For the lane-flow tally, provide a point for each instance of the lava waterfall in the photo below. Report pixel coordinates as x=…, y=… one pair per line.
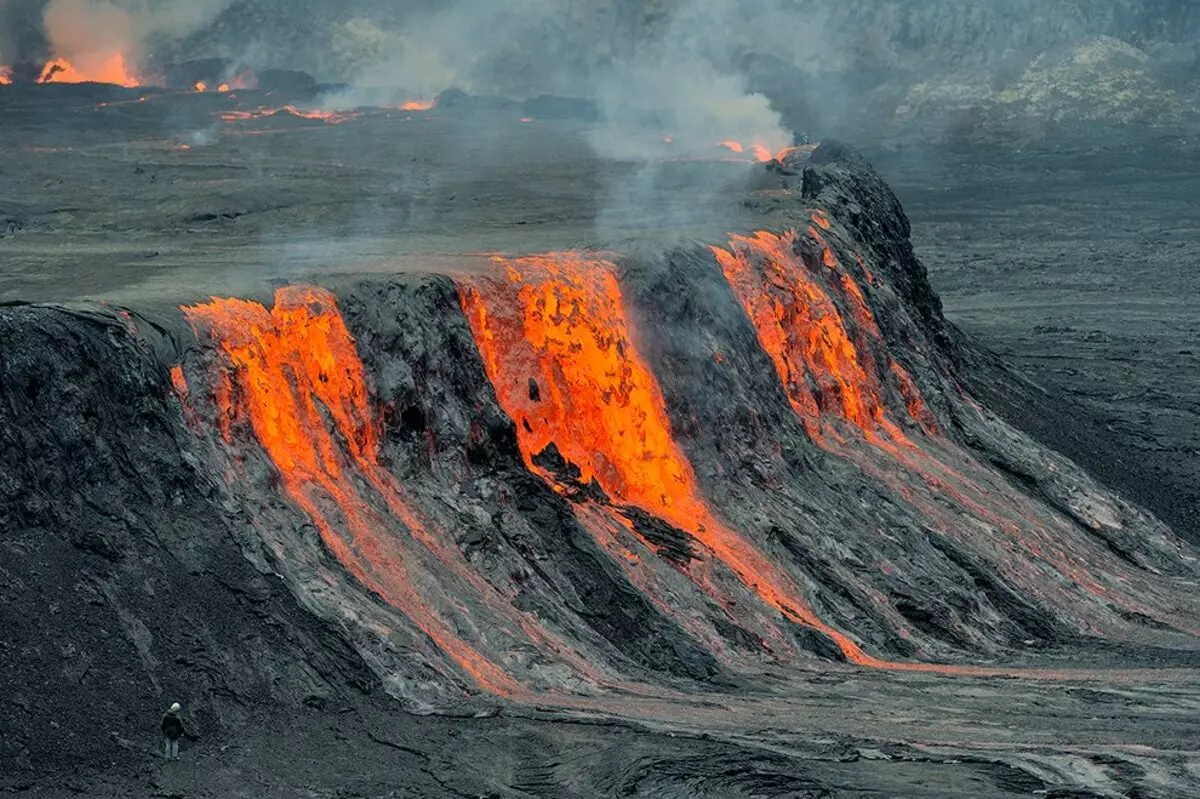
x=481, y=465
x=568, y=475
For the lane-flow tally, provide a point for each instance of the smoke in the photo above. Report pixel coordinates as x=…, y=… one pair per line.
x=682, y=86
x=507, y=47
x=88, y=32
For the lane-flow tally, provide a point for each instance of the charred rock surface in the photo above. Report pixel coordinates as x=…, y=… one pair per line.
x=724, y=491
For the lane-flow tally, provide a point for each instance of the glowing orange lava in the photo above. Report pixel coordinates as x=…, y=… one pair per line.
x=806, y=335
x=760, y=151
x=200, y=86
x=179, y=382
x=418, y=105
x=558, y=323
x=295, y=373
x=112, y=70
x=5, y=76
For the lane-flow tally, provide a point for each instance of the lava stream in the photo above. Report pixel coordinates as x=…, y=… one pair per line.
x=827, y=369
x=292, y=367
x=834, y=364
x=556, y=346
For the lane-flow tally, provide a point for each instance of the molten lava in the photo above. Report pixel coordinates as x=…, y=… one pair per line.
x=825, y=363
x=295, y=373
x=556, y=345
x=760, y=151
x=5, y=76
x=112, y=70
x=418, y=105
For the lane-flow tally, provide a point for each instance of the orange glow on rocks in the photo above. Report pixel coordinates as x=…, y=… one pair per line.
x=295, y=373
x=112, y=70
x=5, y=76
x=556, y=344
x=418, y=105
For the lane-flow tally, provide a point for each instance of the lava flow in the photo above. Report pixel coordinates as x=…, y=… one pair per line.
x=555, y=343
x=833, y=364
x=827, y=368
x=298, y=377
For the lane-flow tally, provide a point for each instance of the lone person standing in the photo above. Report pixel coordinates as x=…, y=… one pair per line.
x=172, y=730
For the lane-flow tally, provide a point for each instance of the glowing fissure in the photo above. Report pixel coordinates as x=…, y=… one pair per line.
x=265, y=112
x=293, y=368
x=556, y=345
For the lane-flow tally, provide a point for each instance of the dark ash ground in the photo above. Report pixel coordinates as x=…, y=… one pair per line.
x=1074, y=266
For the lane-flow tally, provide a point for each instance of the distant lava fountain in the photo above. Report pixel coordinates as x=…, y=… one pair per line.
x=555, y=342
x=113, y=69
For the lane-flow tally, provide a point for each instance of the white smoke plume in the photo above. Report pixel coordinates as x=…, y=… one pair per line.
x=89, y=32
x=474, y=45
x=683, y=86
x=679, y=83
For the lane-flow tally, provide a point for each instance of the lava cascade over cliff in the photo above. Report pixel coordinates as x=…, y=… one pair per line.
x=717, y=563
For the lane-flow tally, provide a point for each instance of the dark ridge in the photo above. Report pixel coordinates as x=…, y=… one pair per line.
x=1070, y=429
x=1027, y=619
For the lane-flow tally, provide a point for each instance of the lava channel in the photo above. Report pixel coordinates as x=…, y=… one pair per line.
x=826, y=365
x=558, y=323
x=834, y=364
x=297, y=375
